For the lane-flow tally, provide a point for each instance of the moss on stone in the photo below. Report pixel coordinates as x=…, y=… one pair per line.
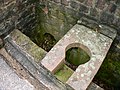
x=25, y=43
x=56, y=22
x=76, y=56
x=109, y=73
x=64, y=73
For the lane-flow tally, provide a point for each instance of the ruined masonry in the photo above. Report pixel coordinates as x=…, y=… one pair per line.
x=92, y=25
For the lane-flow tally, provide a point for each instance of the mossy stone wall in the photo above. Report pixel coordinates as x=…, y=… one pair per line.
x=58, y=16
x=16, y=14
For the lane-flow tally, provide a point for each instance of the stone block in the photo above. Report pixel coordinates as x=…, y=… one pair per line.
x=117, y=12
x=7, y=26
x=90, y=3
x=57, y=1
x=101, y=4
x=70, y=12
x=116, y=23
x=81, y=1
x=2, y=27
x=106, y=18
x=74, y=5
x=10, y=12
x=83, y=9
x=65, y=2
x=94, y=13
x=58, y=11
x=100, y=28
x=71, y=20
x=118, y=2
x=1, y=43
x=111, y=8
x=94, y=86
x=7, y=12
x=27, y=45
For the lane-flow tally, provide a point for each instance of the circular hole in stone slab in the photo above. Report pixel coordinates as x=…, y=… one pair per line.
x=76, y=54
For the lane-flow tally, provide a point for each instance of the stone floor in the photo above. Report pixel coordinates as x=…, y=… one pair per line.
x=9, y=80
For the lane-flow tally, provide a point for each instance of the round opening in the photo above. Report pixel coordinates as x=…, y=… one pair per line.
x=49, y=41
x=76, y=56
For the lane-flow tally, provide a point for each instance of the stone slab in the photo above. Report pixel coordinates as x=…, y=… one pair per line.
x=94, y=43
x=27, y=45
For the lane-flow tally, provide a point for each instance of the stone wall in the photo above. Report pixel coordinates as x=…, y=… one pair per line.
x=103, y=11
x=58, y=16
x=26, y=15
x=7, y=15
x=16, y=14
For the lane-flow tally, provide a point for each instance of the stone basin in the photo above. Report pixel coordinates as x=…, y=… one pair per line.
x=95, y=44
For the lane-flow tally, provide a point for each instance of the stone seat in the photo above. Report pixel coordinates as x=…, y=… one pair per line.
x=95, y=44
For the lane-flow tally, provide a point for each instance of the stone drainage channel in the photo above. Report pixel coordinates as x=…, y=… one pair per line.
x=93, y=43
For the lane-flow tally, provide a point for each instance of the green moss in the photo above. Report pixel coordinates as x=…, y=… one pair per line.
x=25, y=43
x=64, y=73
x=76, y=56
x=109, y=73
x=37, y=52
x=37, y=34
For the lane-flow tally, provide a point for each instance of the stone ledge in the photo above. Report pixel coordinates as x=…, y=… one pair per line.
x=27, y=45
x=37, y=71
x=98, y=27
